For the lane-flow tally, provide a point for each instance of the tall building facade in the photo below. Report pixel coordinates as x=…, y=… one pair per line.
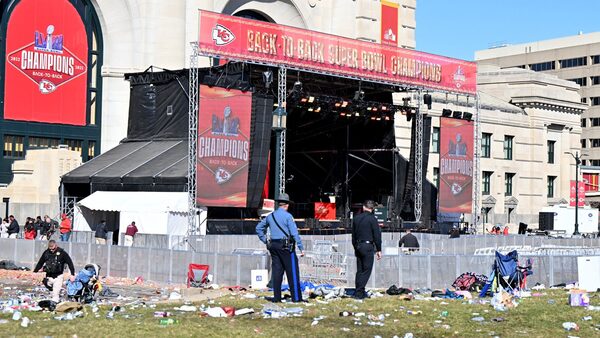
x=528, y=123
x=574, y=58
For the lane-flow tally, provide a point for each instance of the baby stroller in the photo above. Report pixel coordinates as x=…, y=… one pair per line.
x=86, y=284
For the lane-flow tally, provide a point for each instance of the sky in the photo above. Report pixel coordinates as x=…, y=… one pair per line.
x=457, y=28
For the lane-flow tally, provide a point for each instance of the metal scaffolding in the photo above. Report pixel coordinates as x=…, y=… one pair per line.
x=418, y=160
x=192, y=140
x=279, y=126
x=476, y=166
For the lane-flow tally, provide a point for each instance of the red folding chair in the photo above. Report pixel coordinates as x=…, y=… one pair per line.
x=197, y=275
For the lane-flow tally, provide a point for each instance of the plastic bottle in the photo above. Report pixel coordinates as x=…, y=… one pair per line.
x=25, y=322
x=346, y=314
x=160, y=314
x=16, y=315
x=168, y=321
x=444, y=314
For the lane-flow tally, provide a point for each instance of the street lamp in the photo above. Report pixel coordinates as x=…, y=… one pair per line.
x=577, y=163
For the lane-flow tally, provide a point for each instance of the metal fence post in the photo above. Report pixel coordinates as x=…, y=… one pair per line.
x=170, y=266
x=149, y=262
x=429, y=271
x=400, y=282
x=239, y=261
x=216, y=265
x=128, y=262
x=15, y=252
x=108, y=260
x=457, y=265
x=89, y=255
x=551, y=265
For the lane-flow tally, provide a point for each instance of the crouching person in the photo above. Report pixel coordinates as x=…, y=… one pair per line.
x=53, y=262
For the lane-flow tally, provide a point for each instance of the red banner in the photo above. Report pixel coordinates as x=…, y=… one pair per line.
x=389, y=23
x=46, y=63
x=223, y=147
x=325, y=211
x=456, y=166
x=262, y=42
x=591, y=182
x=580, y=195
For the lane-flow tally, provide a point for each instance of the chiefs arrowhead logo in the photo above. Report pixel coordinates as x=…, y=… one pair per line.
x=222, y=35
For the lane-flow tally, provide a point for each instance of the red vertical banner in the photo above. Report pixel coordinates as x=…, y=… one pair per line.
x=580, y=195
x=46, y=63
x=456, y=166
x=223, y=147
x=389, y=23
x=591, y=182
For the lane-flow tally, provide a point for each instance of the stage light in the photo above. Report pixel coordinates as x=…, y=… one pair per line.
x=387, y=118
x=369, y=108
x=373, y=118
x=342, y=114
x=303, y=100
x=446, y=112
x=268, y=78
x=467, y=116
x=457, y=114
x=344, y=104
x=427, y=100
x=310, y=109
x=374, y=108
x=356, y=114
x=318, y=110
x=383, y=108
x=359, y=95
x=311, y=99
x=337, y=104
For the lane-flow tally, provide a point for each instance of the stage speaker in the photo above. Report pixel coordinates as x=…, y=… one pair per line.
x=546, y=221
x=467, y=116
x=457, y=114
x=260, y=143
x=427, y=100
x=446, y=112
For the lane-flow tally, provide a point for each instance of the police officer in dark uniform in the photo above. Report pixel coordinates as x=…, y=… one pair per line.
x=282, y=246
x=366, y=239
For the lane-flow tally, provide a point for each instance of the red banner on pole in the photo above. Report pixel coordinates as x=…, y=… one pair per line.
x=389, y=23
x=223, y=147
x=456, y=166
x=580, y=195
x=46, y=63
x=262, y=42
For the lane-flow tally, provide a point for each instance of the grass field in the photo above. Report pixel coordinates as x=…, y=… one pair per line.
x=534, y=317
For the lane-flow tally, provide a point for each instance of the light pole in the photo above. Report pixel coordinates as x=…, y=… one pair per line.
x=577, y=163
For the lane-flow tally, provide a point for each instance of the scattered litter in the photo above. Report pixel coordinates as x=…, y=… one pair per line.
x=175, y=295
x=503, y=301
x=586, y=318
x=539, y=287
x=25, y=322
x=570, y=326
x=497, y=319
x=314, y=322
x=551, y=301
x=478, y=319
x=375, y=323
x=409, y=335
x=168, y=321
x=215, y=312
x=578, y=298
x=244, y=311
x=249, y=296
x=162, y=314
x=16, y=316
x=345, y=329
x=187, y=308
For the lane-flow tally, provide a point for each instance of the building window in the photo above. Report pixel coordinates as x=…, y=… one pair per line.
x=595, y=100
x=508, y=147
x=575, y=62
x=595, y=142
x=551, y=186
x=435, y=140
x=583, y=143
x=583, y=100
x=583, y=122
x=486, y=145
x=551, y=151
x=595, y=121
x=595, y=80
x=595, y=163
x=508, y=184
x=436, y=177
x=583, y=162
x=538, y=67
x=42, y=142
x=596, y=59
x=582, y=81
x=486, y=182
x=91, y=149
x=13, y=146
x=75, y=145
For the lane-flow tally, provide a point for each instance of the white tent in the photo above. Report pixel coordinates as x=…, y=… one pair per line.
x=163, y=213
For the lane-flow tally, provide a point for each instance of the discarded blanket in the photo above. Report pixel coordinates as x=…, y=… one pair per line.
x=469, y=281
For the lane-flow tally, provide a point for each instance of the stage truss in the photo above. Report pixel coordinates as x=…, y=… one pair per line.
x=193, y=108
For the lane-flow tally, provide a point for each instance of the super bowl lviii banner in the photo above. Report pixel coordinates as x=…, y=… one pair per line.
x=456, y=166
x=46, y=63
x=223, y=147
x=389, y=23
